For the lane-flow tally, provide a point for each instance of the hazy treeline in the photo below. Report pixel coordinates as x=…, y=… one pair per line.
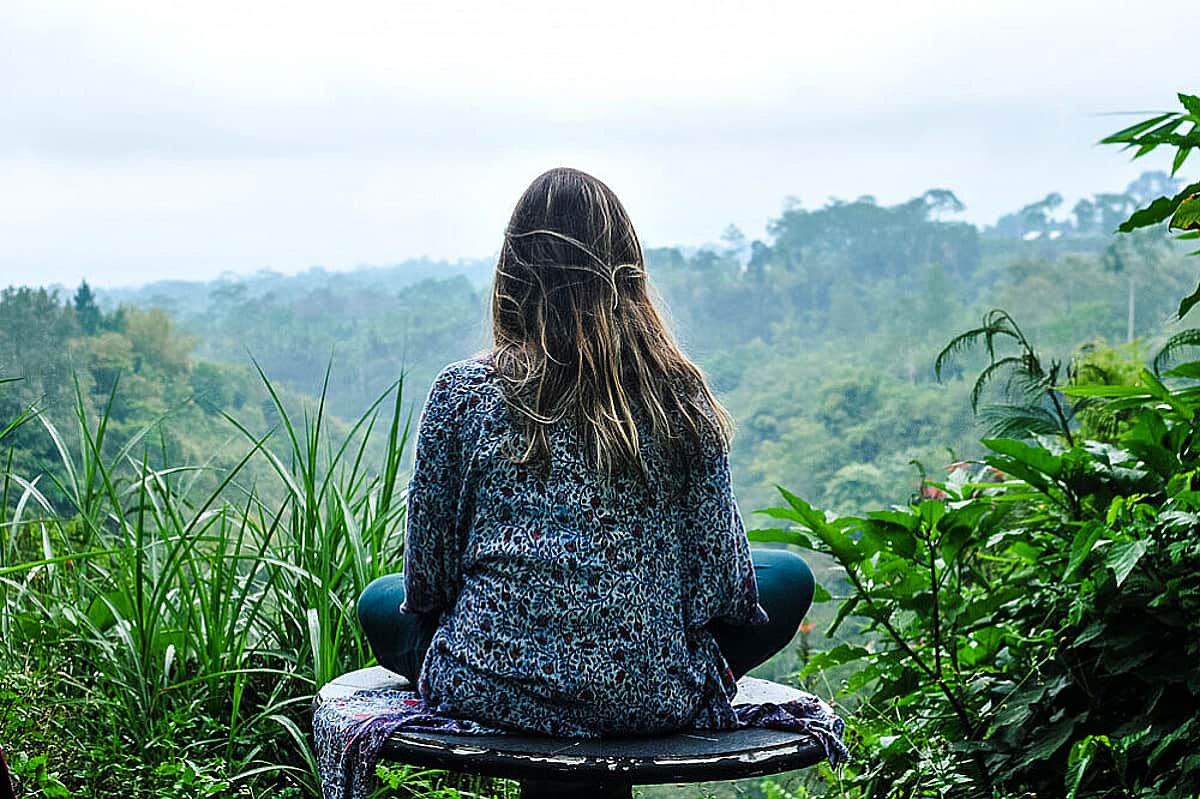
x=820, y=338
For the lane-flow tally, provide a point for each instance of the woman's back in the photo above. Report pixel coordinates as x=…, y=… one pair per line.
x=573, y=602
x=575, y=563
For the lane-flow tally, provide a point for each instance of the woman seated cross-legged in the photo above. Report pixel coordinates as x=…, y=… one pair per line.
x=575, y=562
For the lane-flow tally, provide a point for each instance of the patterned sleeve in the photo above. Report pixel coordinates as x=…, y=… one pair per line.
x=725, y=587
x=433, y=538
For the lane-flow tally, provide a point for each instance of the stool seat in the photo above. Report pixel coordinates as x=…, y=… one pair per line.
x=599, y=767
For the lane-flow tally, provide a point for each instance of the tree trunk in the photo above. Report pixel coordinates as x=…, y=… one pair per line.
x=1130, y=317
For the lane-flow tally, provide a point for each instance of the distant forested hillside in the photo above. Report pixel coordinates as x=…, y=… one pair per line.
x=820, y=338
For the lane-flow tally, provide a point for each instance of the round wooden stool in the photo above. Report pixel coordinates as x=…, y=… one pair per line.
x=607, y=768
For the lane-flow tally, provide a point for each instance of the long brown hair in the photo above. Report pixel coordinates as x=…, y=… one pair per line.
x=575, y=332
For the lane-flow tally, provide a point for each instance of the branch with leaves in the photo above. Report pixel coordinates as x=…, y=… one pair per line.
x=1183, y=209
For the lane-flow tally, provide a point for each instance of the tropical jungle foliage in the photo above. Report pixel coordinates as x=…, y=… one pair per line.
x=1028, y=626
x=182, y=539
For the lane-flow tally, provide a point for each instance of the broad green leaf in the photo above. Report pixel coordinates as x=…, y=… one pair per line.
x=1089, y=633
x=1122, y=136
x=1083, y=752
x=1038, y=458
x=1190, y=370
x=1187, y=215
x=1082, y=546
x=1104, y=391
x=980, y=646
x=902, y=518
x=1157, y=211
x=954, y=540
x=1123, y=556
x=807, y=514
x=970, y=518
x=1191, y=103
x=1115, y=510
x=1152, y=214
x=1154, y=385
x=821, y=594
x=890, y=537
x=839, y=544
x=776, y=535
x=781, y=513
x=863, y=677
x=1188, y=497
x=1014, y=713
x=843, y=653
x=1026, y=551
x=1160, y=391
x=1187, y=732
x=964, y=525
x=931, y=513
x=1189, y=301
x=1049, y=741
x=1149, y=428
x=836, y=541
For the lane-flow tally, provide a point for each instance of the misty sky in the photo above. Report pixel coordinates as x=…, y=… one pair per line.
x=143, y=140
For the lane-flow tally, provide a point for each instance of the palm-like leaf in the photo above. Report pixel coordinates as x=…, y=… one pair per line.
x=1019, y=421
x=996, y=322
x=989, y=372
x=1029, y=382
x=1185, y=338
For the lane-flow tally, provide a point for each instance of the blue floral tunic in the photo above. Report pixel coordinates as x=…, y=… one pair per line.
x=573, y=604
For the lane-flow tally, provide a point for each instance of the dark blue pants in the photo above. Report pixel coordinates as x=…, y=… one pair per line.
x=785, y=590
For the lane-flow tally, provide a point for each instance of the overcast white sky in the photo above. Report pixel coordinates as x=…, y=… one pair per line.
x=143, y=140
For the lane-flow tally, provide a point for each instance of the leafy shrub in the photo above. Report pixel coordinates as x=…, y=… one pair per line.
x=179, y=633
x=1037, y=632
x=1031, y=625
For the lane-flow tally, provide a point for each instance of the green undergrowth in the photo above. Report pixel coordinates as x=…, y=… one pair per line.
x=163, y=634
x=1029, y=625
